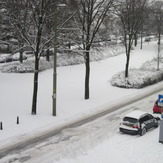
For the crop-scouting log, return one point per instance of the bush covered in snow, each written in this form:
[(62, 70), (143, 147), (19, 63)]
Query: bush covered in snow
[(137, 78), (63, 59), (17, 68), (16, 56), (5, 58), (26, 67), (96, 54), (152, 65)]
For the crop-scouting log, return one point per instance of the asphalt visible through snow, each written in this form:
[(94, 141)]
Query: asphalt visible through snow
[(21, 151)]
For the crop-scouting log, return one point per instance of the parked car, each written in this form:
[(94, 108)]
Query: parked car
[(138, 122), (156, 108), (147, 39)]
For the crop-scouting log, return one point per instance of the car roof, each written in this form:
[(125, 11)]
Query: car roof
[(136, 114)]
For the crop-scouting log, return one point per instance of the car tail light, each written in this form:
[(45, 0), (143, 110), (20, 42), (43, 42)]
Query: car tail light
[(136, 125)]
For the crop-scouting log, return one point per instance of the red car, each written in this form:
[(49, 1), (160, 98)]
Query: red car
[(156, 108)]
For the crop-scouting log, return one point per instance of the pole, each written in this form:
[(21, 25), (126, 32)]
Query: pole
[(55, 68), (17, 122), (1, 127), (158, 56), (54, 96), (55, 73)]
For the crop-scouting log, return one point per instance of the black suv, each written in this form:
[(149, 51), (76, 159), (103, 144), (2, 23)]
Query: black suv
[(138, 122)]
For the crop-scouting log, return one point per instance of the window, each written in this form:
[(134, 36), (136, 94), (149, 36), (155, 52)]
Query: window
[(145, 118), (150, 116), (128, 119), (141, 120)]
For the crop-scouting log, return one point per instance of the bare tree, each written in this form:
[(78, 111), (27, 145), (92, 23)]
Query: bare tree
[(158, 10), (130, 13), (90, 15), (6, 28), (30, 19)]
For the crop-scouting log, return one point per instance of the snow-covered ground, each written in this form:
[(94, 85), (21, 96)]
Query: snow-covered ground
[(16, 100)]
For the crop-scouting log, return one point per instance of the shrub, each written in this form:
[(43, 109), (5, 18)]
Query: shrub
[(137, 78)]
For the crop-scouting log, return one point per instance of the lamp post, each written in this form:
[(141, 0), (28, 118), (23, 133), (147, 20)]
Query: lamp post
[(55, 74), (54, 95)]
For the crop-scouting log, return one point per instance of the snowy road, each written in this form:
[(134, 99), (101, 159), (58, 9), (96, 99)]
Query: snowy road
[(72, 142)]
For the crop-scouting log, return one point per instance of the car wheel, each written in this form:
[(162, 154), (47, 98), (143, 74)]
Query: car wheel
[(143, 131)]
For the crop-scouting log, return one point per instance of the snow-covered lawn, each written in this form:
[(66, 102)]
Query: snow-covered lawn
[(16, 100)]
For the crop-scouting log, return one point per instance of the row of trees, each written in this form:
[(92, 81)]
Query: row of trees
[(36, 23)]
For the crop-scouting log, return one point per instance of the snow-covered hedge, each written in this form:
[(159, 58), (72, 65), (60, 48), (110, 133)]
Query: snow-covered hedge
[(152, 65), (26, 67), (19, 68), (16, 56), (63, 59), (137, 78), (9, 57)]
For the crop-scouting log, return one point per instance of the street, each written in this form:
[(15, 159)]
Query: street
[(76, 140)]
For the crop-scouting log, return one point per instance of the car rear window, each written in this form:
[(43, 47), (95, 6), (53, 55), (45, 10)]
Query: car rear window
[(129, 119)]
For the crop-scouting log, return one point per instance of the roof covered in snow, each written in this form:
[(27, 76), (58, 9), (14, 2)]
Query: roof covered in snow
[(136, 114)]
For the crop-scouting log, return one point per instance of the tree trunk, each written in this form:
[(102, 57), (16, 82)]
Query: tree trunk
[(158, 55), (36, 71), (69, 45), (87, 75), (127, 65), (34, 102), (128, 50), (47, 55), (141, 46), (21, 56), (136, 40)]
